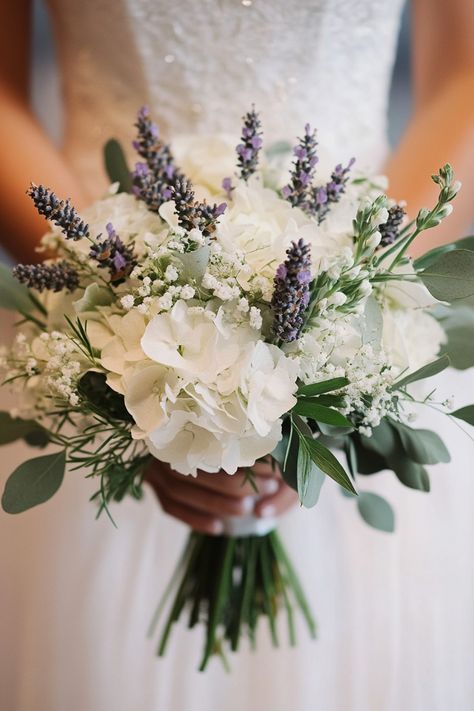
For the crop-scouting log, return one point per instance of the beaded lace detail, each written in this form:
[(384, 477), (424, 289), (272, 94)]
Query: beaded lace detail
[(201, 65)]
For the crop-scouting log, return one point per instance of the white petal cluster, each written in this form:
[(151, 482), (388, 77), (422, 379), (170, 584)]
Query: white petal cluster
[(203, 392)]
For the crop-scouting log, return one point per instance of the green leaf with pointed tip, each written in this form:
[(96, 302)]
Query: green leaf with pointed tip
[(34, 482), (325, 386), (427, 371), (327, 462), (309, 478), (376, 511), (423, 446), (13, 295), (465, 413), (451, 276), (321, 413), (116, 165)]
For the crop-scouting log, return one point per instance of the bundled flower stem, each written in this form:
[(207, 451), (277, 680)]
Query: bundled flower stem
[(228, 584)]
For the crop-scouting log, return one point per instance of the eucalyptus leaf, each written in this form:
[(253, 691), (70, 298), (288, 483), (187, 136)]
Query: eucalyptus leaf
[(451, 276), (429, 258), (325, 386), (458, 324), (372, 324), (465, 413), (320, 413), (13, 295), (34, 482), (376, 511), (383, 441), (14, 428), (94, 295), (410, 473), (426, 371), (422, 446), (116, 165), (278, 149), (195, 263), (369, 461)]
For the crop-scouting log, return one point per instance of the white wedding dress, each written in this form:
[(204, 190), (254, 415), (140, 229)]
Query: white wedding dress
[(395, 612)]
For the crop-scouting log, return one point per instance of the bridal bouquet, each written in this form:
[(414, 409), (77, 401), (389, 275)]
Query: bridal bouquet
[(215, 323)]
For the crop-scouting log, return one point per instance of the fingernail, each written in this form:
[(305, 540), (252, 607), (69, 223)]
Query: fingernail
[(247, 504), (270, 486), (267, 510), (217, 528)]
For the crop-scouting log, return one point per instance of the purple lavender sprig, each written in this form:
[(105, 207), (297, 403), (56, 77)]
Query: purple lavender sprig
[(153, 179), (112, 254), (60, 212), (291, 295), (53, 277), (248, 150), (154, 191), (322, 197), (390, 229), (150, 147), (193, 214), (302, 174)]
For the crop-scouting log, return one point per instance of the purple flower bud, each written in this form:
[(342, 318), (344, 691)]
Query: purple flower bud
[(323, 197), (248, 150), (291, 295), (60, 276), (112, 254), (303, 169), (60, 212)]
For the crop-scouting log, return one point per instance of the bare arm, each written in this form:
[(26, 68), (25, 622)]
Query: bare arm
[(26, 153), (442, 127)]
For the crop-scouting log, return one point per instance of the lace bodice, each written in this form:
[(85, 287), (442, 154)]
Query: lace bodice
[(200, 65)]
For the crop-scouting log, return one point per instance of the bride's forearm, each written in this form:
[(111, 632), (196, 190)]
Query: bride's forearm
[(441, 131), (26, 153)]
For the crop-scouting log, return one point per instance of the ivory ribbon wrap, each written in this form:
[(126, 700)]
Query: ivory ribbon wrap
[(248, 525)]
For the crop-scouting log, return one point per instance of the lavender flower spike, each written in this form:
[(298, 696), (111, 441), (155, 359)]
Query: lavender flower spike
[(112, 254), (248, 150), (150, 147), (323, 197), (54, 277), (154, 191), (60, 212), (291, 295), (390, 229), (193, 214), (302, 174)]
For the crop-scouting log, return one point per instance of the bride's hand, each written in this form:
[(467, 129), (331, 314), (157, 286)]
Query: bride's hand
[(204, 501)]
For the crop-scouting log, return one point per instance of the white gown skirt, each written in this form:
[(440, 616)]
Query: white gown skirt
[(395, 612)]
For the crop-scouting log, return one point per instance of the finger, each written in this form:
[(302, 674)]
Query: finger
[(186, 492), (276, 504), (266, 469), (197, 520), (236, 485)]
